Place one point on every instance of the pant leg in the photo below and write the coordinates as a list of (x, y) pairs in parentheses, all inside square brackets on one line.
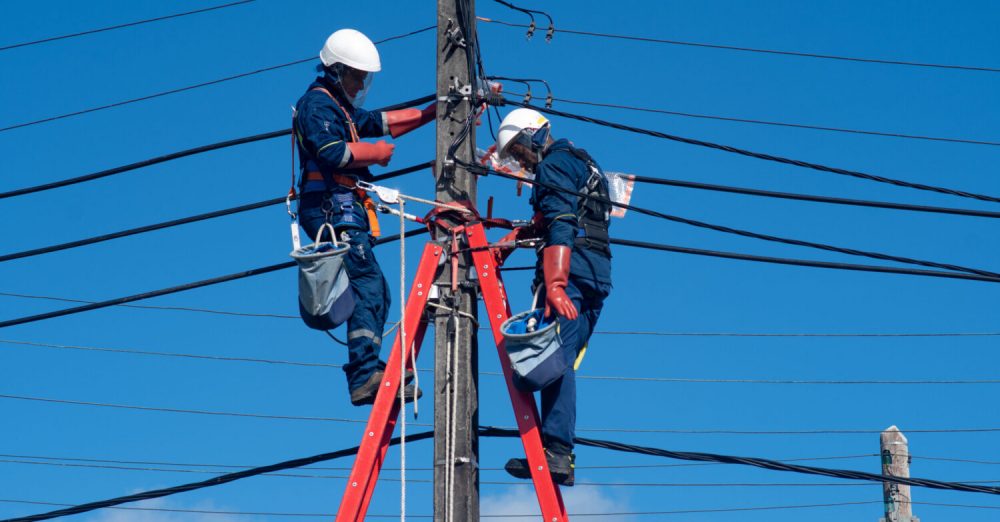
[(371, 293), (559, 398)]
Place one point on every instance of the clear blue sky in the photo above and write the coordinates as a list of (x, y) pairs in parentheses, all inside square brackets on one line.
[(653, 291)]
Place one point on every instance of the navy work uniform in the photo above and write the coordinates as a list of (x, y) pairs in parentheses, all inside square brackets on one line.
[(324, 124), (582, 224)]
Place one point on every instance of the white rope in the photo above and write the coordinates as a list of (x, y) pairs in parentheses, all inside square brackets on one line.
[(402, 362), (451, 426), (448, 475)]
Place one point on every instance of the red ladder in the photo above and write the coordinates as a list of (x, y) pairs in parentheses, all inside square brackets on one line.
[(382, 422)]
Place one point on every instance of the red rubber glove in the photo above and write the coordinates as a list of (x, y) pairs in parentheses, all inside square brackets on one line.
[(364, 154), (555, 265), (405, 120)]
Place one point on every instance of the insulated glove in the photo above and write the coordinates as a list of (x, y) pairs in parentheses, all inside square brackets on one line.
[(555, 265), (402, 121), (364, 154)]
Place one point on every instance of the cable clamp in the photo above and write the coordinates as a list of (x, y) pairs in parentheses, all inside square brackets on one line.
[(454, 34), (531, 30)]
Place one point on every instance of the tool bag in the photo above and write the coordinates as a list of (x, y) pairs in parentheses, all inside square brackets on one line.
[(325, 296), (535, 349)]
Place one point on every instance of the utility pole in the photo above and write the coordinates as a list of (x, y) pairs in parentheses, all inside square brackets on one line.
[(456, 439), (896, 463)]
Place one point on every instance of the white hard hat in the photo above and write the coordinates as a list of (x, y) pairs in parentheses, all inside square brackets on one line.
[(351, 48), (518, 122)]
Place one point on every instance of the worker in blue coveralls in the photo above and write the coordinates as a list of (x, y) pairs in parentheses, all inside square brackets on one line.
[(573, 269), (329, 124)]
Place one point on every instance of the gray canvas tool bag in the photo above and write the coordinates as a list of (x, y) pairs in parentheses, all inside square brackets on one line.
[(535, 350), (325, 296)]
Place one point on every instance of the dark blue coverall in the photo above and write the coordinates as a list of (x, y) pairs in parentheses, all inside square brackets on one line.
[(589, 283), (323, 134)]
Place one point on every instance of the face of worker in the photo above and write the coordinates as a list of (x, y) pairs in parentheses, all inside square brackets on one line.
[(354, 81), (524, 156)]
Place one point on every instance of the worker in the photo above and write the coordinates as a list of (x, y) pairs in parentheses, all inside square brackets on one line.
[(573, 272), (328, 125)]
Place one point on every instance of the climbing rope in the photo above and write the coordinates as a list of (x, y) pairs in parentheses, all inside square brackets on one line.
[(402, 364)]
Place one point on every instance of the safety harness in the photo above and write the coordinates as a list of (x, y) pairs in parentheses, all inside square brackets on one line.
[(593, 214), (371, 209)]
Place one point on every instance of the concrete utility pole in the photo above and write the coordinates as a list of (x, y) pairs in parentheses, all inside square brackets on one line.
[(896, 463), (455, 184)]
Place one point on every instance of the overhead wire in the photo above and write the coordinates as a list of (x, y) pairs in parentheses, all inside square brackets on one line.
[(185, 220), (621, 378), (815, 198), (177, 155), (214, 481), (754, 154), (193, 86), (993, 276), (120, 26), (799, 54), (779, 123), (499, 432), (674, 431), (175, 289), (763, 463)]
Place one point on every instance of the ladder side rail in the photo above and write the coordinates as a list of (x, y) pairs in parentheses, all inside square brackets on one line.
[(382, 420), (525, 412)]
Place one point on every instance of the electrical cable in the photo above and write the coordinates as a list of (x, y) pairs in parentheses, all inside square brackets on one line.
[(674, 380), (485, 482), (779, 123), (175, 289), (761, 463), (753, 154), (190, 87), (813, 198), (510, 433), (804, 262), (180, 154), (120, 26), (185, 220), (214, 481), (992, 276), (591, 430), (759, 50)]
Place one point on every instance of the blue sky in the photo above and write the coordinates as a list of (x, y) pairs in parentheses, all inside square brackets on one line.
[(655, 292)]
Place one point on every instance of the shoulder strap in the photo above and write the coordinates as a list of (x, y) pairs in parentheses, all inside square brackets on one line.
[(350, 122)]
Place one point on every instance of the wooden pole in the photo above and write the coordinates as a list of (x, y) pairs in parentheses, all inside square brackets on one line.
[(456, 407), (896, 463)]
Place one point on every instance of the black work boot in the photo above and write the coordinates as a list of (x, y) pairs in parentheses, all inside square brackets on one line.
[(409, 373), (365, 394), (561, 466)]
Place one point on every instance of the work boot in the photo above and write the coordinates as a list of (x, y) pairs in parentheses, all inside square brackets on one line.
[(561, 467), (365, 394), (409, 373)]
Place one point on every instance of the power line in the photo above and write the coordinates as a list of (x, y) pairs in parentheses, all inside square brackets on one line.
[(177, 155), (114, 467), (816, 199), (120, 26), (192, 87), (592, 430), (669, 380), (802, 262), (758, 50), (762, 463), (149, 307), (505, 516), (175, 289), (409, 468), (214, 481), (774, 123), (757, 155), (183, 221), (992, 276), (498, 432)]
